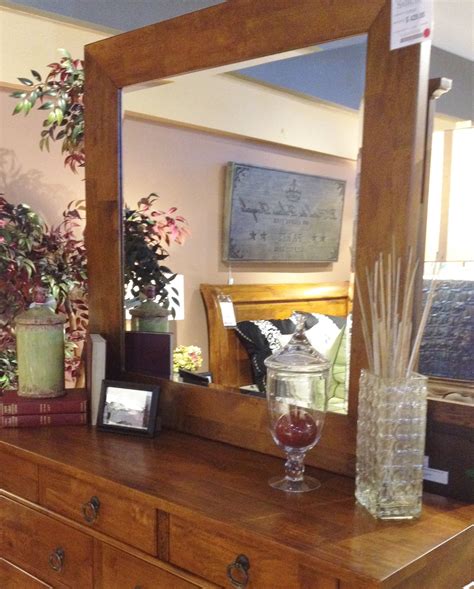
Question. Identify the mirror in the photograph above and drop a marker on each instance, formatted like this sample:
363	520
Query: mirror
446	351
178	138
232	33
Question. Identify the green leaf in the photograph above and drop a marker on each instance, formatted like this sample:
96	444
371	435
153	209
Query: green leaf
59	115
51	118
26	106
36	75
26	81
65	52
18	108
18	94
46	106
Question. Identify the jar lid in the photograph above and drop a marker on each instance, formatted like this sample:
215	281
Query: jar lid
298	355
40	315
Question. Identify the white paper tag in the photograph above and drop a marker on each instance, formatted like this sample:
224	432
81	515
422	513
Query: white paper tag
411	22
228	313
435	475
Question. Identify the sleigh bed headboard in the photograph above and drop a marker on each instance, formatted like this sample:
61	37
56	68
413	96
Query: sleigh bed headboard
228	360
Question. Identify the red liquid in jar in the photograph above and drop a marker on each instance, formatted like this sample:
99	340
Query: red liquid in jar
296	429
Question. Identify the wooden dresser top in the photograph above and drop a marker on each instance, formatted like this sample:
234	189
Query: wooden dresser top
190	476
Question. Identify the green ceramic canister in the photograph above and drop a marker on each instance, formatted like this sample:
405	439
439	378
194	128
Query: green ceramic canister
40	352
150	316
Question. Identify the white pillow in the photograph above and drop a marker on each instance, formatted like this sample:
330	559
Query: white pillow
323	335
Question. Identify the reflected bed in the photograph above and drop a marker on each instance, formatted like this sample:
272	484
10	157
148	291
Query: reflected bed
228	360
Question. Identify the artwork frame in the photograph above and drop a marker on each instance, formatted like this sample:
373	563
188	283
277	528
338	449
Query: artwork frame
281	216
135	411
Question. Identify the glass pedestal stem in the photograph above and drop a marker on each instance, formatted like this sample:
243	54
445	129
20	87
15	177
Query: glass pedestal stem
294	480
294	466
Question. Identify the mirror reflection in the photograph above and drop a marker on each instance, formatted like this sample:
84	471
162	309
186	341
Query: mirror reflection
446	353
294	123
447	349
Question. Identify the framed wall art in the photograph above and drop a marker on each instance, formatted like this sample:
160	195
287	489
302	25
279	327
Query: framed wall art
281	216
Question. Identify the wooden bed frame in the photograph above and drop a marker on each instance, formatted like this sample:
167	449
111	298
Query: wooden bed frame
228	360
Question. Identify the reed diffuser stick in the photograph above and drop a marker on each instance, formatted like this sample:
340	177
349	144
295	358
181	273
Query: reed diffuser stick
387	315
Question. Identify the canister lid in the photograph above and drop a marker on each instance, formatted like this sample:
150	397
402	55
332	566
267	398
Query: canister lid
149	309
40	315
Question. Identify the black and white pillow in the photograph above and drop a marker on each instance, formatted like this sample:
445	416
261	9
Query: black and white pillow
261	338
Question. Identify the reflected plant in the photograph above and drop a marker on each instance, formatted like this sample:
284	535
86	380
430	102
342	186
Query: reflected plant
148	232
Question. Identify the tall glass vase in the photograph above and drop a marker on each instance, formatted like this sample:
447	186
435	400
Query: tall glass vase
390	445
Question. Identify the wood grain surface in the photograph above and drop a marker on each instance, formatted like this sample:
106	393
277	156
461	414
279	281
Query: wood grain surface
393	145
12	577
118	515
219	490
29	538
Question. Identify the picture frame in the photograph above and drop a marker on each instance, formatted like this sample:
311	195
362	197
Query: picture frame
276	216
128	408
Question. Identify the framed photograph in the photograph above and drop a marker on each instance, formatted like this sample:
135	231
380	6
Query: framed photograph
281	216
128	408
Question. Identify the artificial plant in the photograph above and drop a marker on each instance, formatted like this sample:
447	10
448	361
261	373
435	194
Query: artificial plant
61	95
33	254
147	232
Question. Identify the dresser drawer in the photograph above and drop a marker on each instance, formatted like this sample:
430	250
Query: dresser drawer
53	551
18	476
120	570
11	577
108	508
214	556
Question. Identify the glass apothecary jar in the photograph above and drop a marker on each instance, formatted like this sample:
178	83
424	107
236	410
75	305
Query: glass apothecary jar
296	388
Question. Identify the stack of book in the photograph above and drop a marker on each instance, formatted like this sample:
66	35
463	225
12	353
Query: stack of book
70	409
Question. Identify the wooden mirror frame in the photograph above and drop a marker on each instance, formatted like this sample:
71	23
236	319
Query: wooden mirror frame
396	93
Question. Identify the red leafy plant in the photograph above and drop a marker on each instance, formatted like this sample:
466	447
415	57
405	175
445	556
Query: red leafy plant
33	254
148	233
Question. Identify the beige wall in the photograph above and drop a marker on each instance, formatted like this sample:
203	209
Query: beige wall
187	169
31	176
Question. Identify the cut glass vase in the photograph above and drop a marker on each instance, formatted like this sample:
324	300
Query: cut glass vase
390	445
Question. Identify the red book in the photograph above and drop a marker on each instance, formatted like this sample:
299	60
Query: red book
74	401
41	420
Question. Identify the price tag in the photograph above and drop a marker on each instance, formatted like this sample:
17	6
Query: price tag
227	312
411	22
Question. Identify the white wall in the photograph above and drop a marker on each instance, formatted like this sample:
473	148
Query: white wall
230	104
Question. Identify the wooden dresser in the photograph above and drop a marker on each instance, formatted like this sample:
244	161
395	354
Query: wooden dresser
80	509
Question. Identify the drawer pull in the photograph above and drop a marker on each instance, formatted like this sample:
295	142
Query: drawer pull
90	510
238	572
56	560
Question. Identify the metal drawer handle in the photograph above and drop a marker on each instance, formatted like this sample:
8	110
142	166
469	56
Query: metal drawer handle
90	510
238	572
56	560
